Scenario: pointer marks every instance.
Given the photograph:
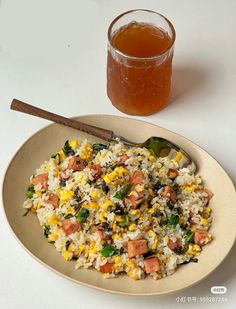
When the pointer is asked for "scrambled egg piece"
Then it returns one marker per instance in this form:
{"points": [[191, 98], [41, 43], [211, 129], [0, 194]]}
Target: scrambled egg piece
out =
{"points": [[116, 177]]}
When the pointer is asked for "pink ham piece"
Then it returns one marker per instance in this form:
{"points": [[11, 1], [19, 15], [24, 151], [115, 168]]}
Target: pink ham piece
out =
{"points": [[151, 265], [137, 247]]}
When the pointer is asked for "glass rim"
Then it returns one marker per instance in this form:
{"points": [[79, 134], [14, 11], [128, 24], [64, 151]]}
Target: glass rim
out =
{"points": [[134, 57]]}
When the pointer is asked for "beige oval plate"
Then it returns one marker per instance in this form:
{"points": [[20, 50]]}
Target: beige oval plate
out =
{"points": [[27, 230]]}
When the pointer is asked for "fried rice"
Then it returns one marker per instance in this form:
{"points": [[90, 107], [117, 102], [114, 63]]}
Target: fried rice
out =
{"points": [[121, 210]]}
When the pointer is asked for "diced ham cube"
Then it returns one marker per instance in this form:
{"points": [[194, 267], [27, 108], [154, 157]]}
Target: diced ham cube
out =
{"points": [[170, 193], [70, 227], [201, 237], [106, 268], [41, 179], [53, 199], [174, 244], [96, 170], [137, 177], [134, 200], [76, 164], [137, 247], [151, 265]]}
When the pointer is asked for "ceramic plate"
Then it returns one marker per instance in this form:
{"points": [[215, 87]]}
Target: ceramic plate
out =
{"points": [[27, 230]]}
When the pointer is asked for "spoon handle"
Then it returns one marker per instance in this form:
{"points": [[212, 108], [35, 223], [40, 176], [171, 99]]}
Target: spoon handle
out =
{"points": [[20, 106]]}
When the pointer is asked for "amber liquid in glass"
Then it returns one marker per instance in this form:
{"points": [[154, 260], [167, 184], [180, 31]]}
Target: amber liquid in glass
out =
{"points": [[138, 84]]}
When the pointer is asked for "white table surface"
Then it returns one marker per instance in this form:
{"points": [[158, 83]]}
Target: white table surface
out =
{"points": [[53, 55]]}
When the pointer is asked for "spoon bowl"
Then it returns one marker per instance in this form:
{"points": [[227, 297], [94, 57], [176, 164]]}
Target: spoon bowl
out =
{"points": [[158, 146]]}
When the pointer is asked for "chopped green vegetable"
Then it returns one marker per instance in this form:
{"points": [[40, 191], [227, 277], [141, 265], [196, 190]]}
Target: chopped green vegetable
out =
{"points": [[163, 222], [125, 221], [194, 260], [30, 192], [149, 254], [47, 230], [68, 216], [189, 236], [173, 221], [123, 191], [26, 213], [98, 147], [82, 215], [56, 156], [67, 149], [109, 250]]}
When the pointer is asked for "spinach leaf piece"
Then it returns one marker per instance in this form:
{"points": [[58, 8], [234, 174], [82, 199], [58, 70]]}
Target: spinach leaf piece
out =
{"points": [[46, 230], [30, 191], [123, 191], [173, 221], [98, 147], [67, 149], [109, 250], [82, 215], [125, 221]]}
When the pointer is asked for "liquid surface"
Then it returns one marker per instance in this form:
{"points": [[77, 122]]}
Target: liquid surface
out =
{"points": [[139, 87], [141, 40]]}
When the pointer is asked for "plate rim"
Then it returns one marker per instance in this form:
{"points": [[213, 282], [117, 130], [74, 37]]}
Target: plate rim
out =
{"points": [[87, 284]]}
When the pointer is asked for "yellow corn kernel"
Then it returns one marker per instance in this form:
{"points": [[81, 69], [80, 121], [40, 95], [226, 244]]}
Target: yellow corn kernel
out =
{"points": [[181, 220], [133, 275], [177, 157], [70, 249], [135, 212], [38, 193], [166, 239], [73, 143], [66, 195], [106, 204], [130, 263], [107, 178], [140, 188], [132, 227], [206, 212], [62, 155], [150, 191], [194, 250], [67, 255], [193, 228], [47, 167], [114, 227], [119, 218], [92, 251], [154, 245], [101, 217], [115, 236], [203, 221], [152, 159], [191, 188], [94, 193], [53, 220], [172, 175], [151, 233], [151, 210], [38, 205], [117, 259], [93, 205], [52, 237], [81, 248]]}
